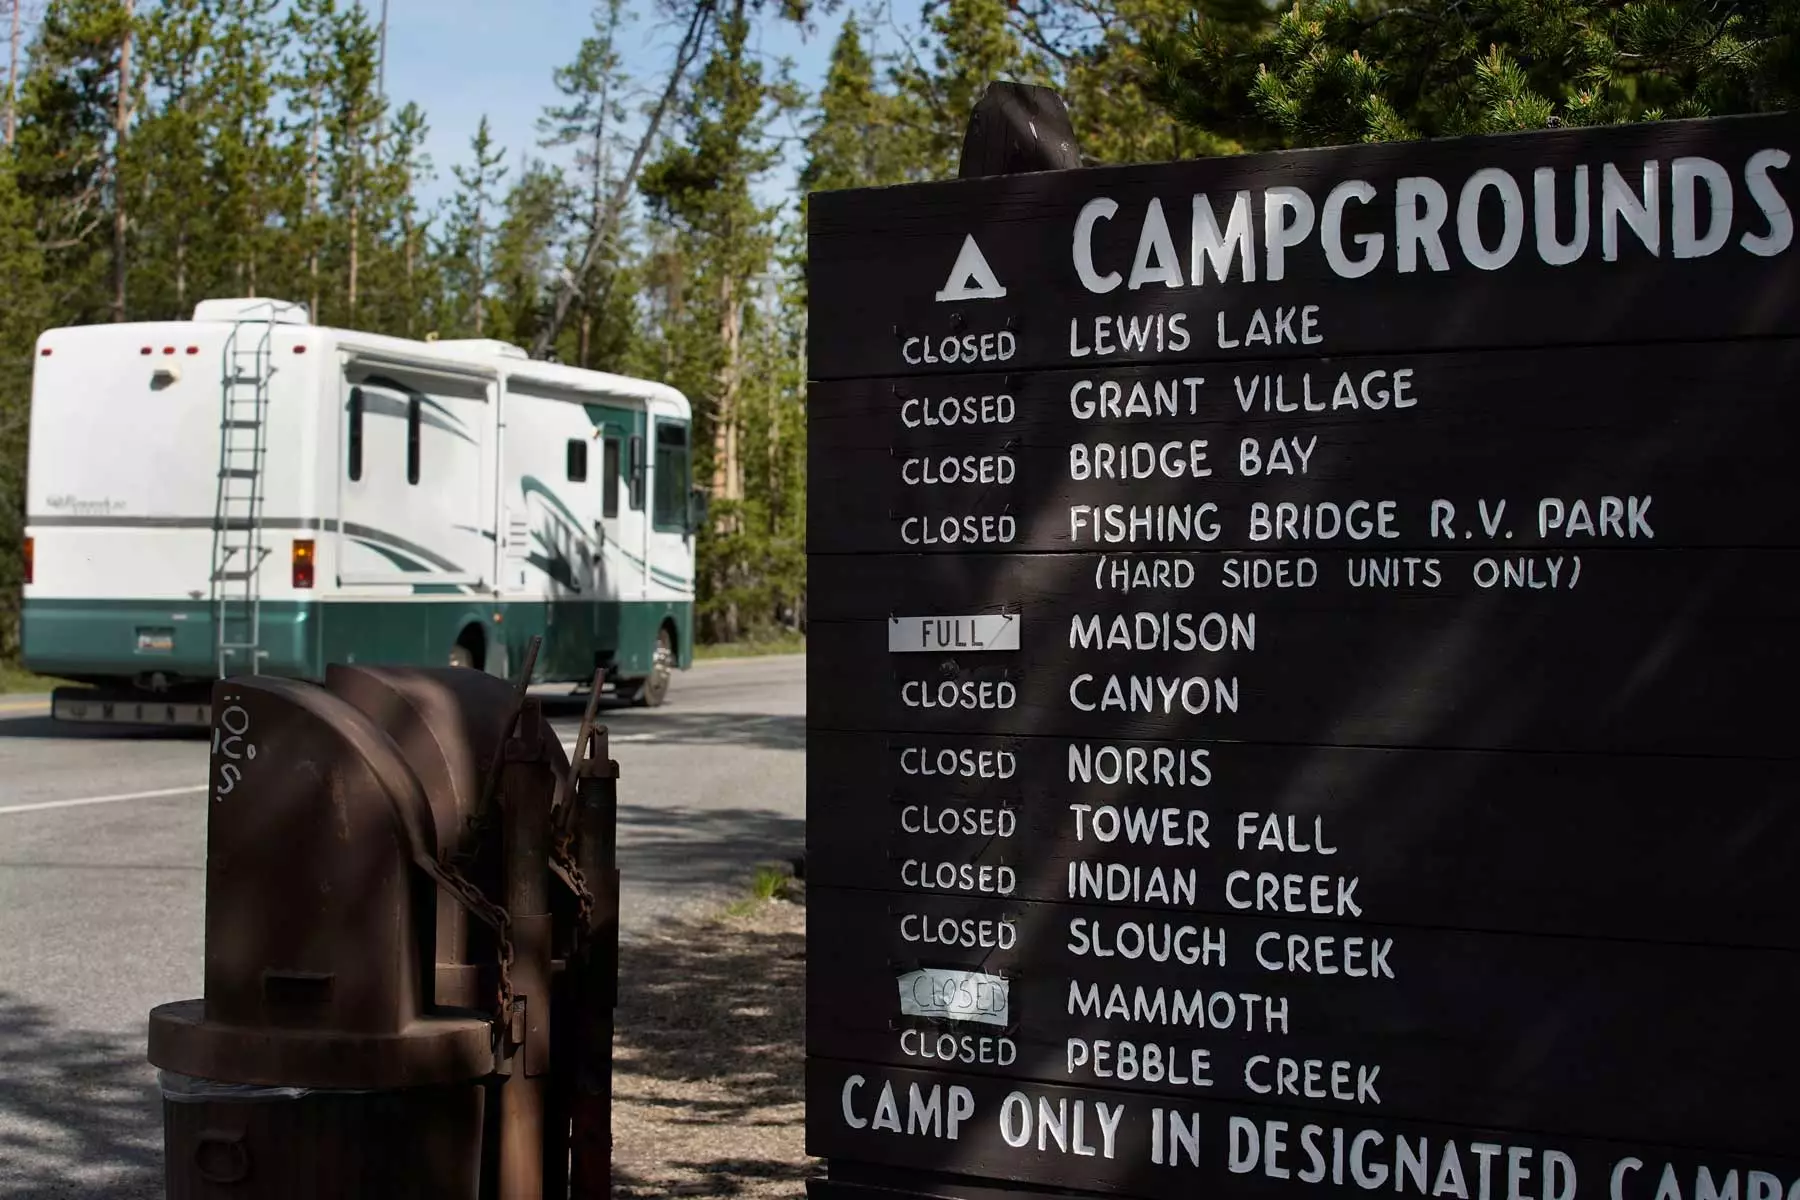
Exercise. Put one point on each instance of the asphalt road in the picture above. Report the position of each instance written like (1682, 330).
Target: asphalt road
(102, 887)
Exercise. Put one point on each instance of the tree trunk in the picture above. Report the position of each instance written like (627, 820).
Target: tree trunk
(181, 241)
(312, 204)
(727, 476)
(121, 117)
(407, 230)
(12, 78)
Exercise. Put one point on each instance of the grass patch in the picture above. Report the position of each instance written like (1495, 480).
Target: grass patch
(780, 643)
(772, 881)
(17, 679)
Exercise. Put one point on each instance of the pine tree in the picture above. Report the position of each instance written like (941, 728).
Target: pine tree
(354, 110)
(853, 138)
(1341, 71)
(972, 43)
(591, 119)
(26, 312)
(64, 156)
(703, 187)
(245, 159)
(468, 232)
(524, 253)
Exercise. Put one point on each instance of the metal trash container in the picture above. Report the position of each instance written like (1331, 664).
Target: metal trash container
(227, 1141)
(346, 1042)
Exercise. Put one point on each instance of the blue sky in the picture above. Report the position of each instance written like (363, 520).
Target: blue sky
(460, 59)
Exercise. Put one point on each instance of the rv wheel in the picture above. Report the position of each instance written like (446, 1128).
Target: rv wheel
(468, 651)
(652, 690)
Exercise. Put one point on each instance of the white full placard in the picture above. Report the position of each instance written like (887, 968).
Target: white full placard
(954, 995)
(979, 631)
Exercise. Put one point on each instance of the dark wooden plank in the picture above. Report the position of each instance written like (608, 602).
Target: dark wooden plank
(1659, 849)
(1306, 1145)
(1576, 587)
(1694, 441)
(1578, 1036)
(878, 259)
(1423, 674)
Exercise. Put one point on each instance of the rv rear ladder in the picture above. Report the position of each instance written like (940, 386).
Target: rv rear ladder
(238, 546)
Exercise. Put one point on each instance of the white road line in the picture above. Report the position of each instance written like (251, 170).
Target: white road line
(86, 800)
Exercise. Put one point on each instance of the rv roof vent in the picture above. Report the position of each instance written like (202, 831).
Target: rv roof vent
(483, 346)
(251, 308)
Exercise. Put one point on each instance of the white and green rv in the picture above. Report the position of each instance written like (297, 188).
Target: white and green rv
(248, 492)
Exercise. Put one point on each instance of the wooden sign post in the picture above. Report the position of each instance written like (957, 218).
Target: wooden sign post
(1300, 650)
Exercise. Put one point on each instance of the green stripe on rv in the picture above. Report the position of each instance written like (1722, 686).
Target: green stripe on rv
(99, 639)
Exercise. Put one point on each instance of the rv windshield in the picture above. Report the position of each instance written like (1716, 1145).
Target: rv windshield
(669, 498)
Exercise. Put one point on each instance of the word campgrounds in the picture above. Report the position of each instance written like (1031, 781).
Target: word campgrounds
(1135, 1131)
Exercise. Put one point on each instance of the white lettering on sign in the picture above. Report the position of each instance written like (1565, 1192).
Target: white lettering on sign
(1129, 1062)
(1113, 400)
(1303, 954)
(231, 741)
(1135, 573)
(918, 412)
(933, 1111)
(1171, 887)
(1133, 523)
(1177, 631)
(959, 1047)
(981, 631)
(968, 933)
(960, 348)
(916, 693)
(1358, 520)
(1167, 694)
(1487, 223)
(1426, 1166)
(1138, 825)
(951, 469)
(950, 821)
(1061, 1124)
(1143, 766)
(1263, 571)
(1625, 517)
(981, 879)
(1139, 460)
(961, 764)
(955, 996)
(1197, 1009)
(1158, 941)
(951, 531)
(1704, 1183)
(1371, 391)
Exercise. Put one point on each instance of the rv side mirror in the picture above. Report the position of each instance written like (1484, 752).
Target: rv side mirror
(634, 470)
(696, 509)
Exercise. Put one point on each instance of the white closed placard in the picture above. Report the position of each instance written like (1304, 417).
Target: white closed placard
(954, 995)
(980, 631)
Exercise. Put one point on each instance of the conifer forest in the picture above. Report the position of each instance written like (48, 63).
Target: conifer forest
(160, 152)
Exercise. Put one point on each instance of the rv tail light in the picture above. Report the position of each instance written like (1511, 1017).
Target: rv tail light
(303, 563)
(29, 557)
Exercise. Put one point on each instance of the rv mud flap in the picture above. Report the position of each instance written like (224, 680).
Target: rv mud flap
(98, 706)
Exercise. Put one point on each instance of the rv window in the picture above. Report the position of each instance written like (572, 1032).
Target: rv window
(355, 449)
(609, 477)
(669, 500)
(575, 466)
(634, 472)
(413, 415)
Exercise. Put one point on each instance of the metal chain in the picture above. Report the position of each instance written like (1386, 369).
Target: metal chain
(493, 915)
(562, 852)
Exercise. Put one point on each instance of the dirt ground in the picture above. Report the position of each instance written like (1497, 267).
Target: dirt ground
(707, 1074)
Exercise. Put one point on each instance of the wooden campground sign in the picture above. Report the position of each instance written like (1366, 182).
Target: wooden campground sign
(1300, 650)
